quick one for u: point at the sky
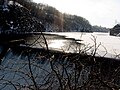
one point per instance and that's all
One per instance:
(105, 13)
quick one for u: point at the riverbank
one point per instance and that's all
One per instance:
(60, 70)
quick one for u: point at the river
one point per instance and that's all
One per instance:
(106, 45)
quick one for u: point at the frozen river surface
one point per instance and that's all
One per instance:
(108, 46)
(75, 42)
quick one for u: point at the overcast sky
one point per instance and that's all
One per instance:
(104, 13)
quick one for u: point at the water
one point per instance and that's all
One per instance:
(108, 46)
(76, 42)
(54, 42)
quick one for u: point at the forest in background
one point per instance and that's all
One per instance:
(52, 19)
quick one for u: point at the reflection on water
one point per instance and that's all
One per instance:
(56, 44)
(75, 42)
(108, 45)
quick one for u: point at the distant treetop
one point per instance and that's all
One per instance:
(25, 18)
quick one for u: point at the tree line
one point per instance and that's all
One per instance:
(52, 19)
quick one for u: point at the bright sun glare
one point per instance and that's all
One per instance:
(56, 44)
(97, 12)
